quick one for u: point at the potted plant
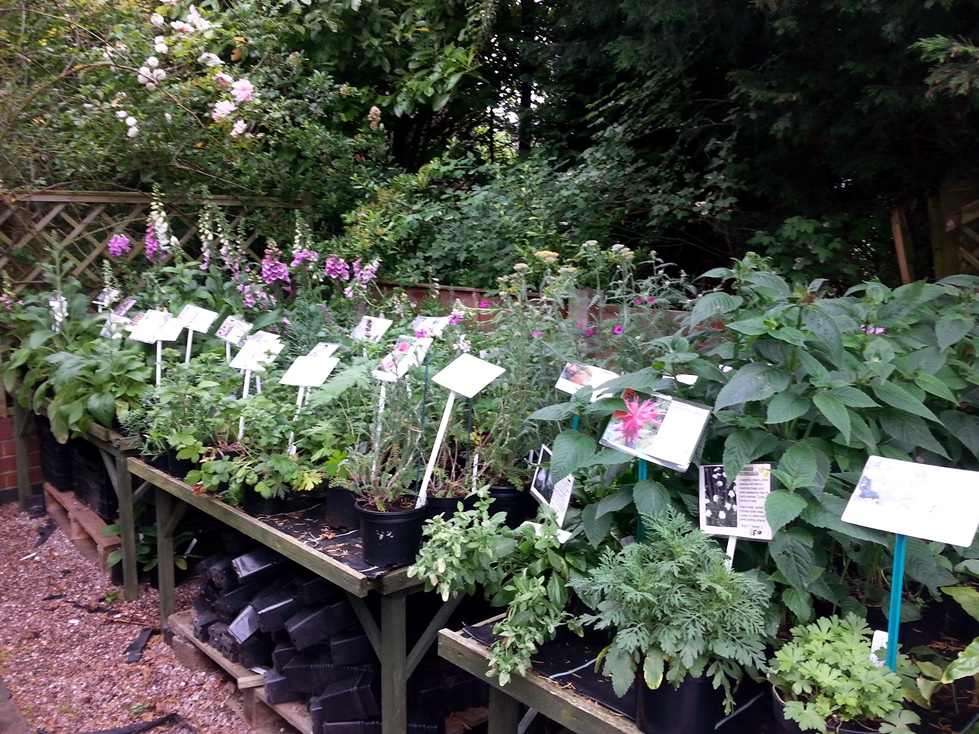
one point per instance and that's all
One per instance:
(826, 679)
(689, 625)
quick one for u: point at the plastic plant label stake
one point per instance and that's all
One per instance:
(897, 585)
(439, 437)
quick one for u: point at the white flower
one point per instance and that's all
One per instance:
(167, 117)
(152, 62)
(722, 515)
(210, 59)
(195, 19)
(160, 47)
(239, 128)
(131, 121)
(144, 76)
(157, 20)
(122, 114)
(181, 27)
(225, 79)
(159, 75)
(133, 131)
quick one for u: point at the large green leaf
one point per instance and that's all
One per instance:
(909, 430)
(754, 381)
(826, 331)
(835, 412)
(749, 327)
(921, 565)
(769, 284)
(964, 427)
(797, 468)
(787, 406)
(596, 528)
(965, 665)
(966, 596)
(825, 512)
(743, 445)
(614, 502)
(782, 507)
(900, 397)
(931, 384)
(650, 498)
(792, 550)
(559, 412)
(571, 450)
(713, 304)
(950, 328)
(799, 603)
(644, 380)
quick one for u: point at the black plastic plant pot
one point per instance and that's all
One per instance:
(255, 504)
(179, 468)
(787, 726)
(340, 508)
(518, 505)
(448, 506)
(390, 538)
(693, 708)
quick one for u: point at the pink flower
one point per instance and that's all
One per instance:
(150, 243)
(222, 109)
(196, 20)
(242, 90)
(365, 274)
(456, 317)
(181, 27)
(617, 329)
(589, 332)
(119, 244)
(638, 302)
(225, 79)
(421, 334)
(536, 334)
(636, 416)
(402, 347)
(301, 256)
(650, 299)
(239, 128)
(273, 269)
(484, 304)
(873, 329)
(337, 268)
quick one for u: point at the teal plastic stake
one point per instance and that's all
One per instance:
(897, 588)
(574, 423)
(643, 476)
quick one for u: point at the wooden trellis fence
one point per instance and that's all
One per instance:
(965, 222)
(83, 222)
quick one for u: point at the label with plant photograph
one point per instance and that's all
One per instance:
(735, 509)
(408, 351)
(258, 352)
(556, 495)
(575, 376)
(233, 330)
(370, 329)
(197, 319)
(429, 326)
(323, 350)
(148, 327)
(658, 428)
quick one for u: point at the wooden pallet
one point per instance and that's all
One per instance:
(256, 706)
(81, 524)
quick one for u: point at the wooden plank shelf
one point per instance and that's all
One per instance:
(81, 524)
(247, 681)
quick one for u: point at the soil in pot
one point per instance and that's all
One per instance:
(693, 708)
(390, 538)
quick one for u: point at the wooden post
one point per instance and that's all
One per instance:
(504, 713)
(164, 552)
(127, 527)
(902, 244)
(394, 676)
(22, 423)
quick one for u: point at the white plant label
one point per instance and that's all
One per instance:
(197, 319)
(309, 371)
(467, 375)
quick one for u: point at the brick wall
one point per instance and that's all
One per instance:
(8, 456)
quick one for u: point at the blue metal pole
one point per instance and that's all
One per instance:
(643, 475)
(897, 589)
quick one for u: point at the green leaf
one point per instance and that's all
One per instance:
(835, 412)
(950, 328)
(922, 566)
(713, 304)
(931, 384)
(650, 498)
(826, 331)
(754, 381)
(826, 511)
(964, 427)
(645, 380)
(571, 450)
(792, 550)
(614, 502)
(749, 327)
(852, 397)
(911, 431)
(102, 406)
(799, 603)
(559, 412)
(966, 596)
(596, 528)
(743, 445)
(769, 284)
(965, 665)
(607, 457)
(898, 396)
(782, 507)
(797, 468)
(787, 406)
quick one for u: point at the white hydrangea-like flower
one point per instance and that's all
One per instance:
(157, 20)
(152, 62)
(133, 131)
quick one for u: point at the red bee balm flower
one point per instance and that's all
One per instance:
(637, 416)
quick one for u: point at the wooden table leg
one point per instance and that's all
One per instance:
(504, 712)
(394, 664)
(127, 528)
(22, 423)
(164, 552)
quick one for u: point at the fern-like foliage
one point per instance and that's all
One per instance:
(675, 609)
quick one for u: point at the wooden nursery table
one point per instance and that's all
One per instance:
(552, 699)
(115, 450)
(388, 638)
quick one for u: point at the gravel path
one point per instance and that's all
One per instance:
(65, 665)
